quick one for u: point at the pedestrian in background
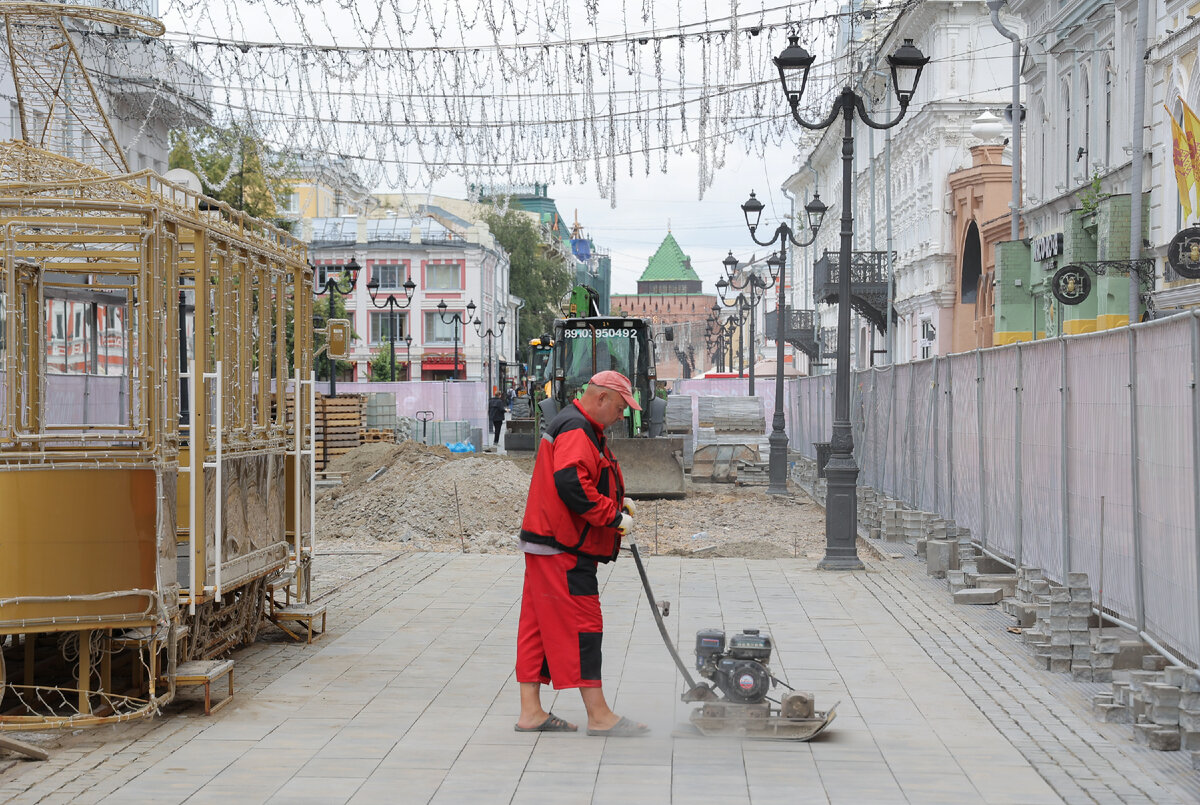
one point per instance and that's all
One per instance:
(496, 409)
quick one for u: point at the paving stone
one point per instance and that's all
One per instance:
(1158, 738)
(979, 595)
(1162, 694)
(1189, 720)
(937, 558)
(1174, 675)
(1113, 713)
(1154, 662)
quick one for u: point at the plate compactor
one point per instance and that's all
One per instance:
(735, 701)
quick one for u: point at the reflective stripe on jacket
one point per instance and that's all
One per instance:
(576, 492)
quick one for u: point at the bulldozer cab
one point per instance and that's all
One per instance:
(584, 347)
(650, 461)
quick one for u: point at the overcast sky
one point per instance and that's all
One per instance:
(647, 206)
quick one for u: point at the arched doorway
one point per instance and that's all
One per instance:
(972, 266)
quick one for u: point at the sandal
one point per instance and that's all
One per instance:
(552, 724)
(625, 728)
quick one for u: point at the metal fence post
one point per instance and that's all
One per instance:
(1196, 460)
(950, 439)
(1064, 499)
(910, 437)
(935, 392)
(1020, 513)
(895, 454)
(1134, 496)
(983, 520)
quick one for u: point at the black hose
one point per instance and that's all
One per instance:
(662, 629)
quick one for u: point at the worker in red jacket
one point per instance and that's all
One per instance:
(575, 517)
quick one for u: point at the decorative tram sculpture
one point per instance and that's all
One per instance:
(153, 481)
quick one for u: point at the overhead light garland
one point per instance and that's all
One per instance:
(534, 101)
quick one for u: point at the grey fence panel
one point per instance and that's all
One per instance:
(996, 399)
(1098, 466)
(1041, 458)
(965, 505)
(1065, 423)
(1163, 377)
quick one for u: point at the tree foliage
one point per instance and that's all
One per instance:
(536, 275)
(382, 363)
(254, 177)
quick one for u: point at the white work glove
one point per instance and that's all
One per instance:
(625, 525)
(628, 507)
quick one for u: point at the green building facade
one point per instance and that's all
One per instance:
(1025, 307)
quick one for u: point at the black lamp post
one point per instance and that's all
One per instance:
(751, 291)
(341, 288)
(392, 306)
(408, 354)
(841, 515)
(490, 335)
(815, 213)
(459, 322)
(726, 328)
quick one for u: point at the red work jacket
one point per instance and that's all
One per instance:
(577, 489)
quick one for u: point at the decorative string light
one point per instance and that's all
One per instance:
(541, 97)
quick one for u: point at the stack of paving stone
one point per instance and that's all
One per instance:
(1062, 635)
(1162, 703)
(1031, 585)
(868, 510)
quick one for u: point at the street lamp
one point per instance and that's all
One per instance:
(392, 306)
(459, 321)
(841, 515)
(726, 327)
(815, 213)
(408, 354)
(340, 288)
(751, 291)
(490, 335)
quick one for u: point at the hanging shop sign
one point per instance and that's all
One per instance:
(1071, 285)
(1047, 246)
(1184, 253)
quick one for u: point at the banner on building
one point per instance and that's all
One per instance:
(1185, 170)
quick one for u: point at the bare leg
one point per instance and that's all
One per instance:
(600, 715)
(532, 714)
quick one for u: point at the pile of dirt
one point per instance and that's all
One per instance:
(425, 497)
(429, 499)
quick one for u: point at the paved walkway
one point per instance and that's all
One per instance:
(410, 698)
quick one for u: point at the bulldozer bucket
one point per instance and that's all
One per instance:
(653, 468)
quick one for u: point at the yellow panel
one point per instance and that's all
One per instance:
(1107, 321)
(76, 532)
(1078, 326)
(1000, 339)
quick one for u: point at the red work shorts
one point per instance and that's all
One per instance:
(559, 635)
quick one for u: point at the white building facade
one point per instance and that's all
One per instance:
(458, 265)
(969, 73)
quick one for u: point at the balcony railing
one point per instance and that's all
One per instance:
(797, 329)
(868, 283)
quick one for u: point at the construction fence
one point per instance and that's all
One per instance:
(1069, 454)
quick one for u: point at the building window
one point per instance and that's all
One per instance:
(446, 277)
(391, 276)
(1108, 74)
(1067, 131)
(1086, 128)
(381, 325)
(291, 203)
(928, 336)
(437, 331)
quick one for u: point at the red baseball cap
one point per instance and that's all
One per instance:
(616, 382)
